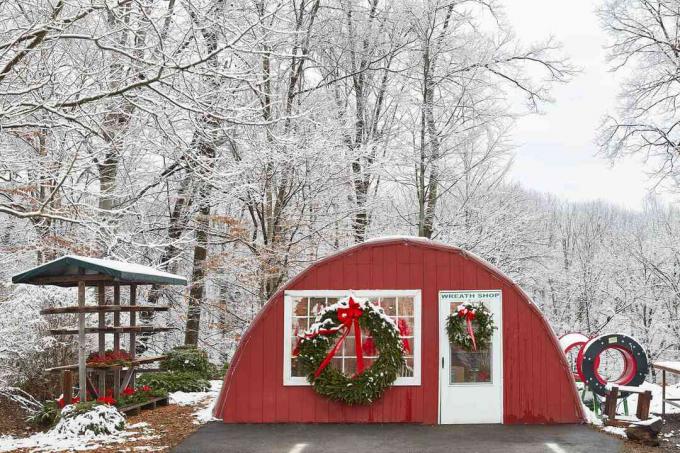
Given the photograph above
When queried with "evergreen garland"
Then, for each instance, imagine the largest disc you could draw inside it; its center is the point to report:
(368, 386)
(482, 325)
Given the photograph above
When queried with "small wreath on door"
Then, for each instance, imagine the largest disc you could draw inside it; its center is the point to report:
(471, 326)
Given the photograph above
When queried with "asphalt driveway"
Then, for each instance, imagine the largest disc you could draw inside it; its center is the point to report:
(394, 438)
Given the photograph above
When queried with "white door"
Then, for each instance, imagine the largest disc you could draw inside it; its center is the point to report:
(470, 383)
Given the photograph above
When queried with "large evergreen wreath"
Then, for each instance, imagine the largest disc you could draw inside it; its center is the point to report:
(471, 326)
(314, 346)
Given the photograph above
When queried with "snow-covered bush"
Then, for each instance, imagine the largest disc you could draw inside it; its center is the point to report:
(26, 348)
(89, 419)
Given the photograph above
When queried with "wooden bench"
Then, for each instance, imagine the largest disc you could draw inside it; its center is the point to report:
(611, 400)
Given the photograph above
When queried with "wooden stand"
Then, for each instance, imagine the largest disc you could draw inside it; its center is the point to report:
(122, 376)
(81, 272)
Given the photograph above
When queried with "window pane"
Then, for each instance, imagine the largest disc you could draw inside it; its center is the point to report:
(348, 348)
(295, 368)
(316, 304)
(299, 325)
(405, 306)
(300, 306)
(407, 369)
(389, 304)
(350, 366)
(470, 366)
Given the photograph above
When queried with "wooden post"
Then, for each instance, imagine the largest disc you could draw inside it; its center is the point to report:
(101, 374)
(116, 340)
(67, 386)
(663, 393)
(133, 335)
(82, 370)
(610, 403)
(644, 401)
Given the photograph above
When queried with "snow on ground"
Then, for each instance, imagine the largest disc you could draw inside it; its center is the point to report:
(672, 391)
(206, 401)
(53, 440)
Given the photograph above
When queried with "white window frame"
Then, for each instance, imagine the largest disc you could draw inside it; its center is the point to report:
(288, 379)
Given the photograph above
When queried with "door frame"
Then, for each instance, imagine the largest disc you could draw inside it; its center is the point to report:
(443, 337)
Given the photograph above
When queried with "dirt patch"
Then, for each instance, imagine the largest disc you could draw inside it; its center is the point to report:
(168, 426)
(669, 439)
(13, 419)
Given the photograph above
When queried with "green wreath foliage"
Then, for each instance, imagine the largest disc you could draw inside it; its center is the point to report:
(368, 386)
(482, 325)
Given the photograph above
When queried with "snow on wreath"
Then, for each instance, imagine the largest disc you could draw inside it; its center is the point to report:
(317, 346)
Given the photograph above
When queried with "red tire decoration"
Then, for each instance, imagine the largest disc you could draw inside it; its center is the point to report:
(570, 341)
(635, 368)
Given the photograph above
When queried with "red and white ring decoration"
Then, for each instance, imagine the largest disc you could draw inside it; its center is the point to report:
(634, 360)
(573, 341)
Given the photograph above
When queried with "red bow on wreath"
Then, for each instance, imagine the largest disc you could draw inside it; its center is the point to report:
(469, 315)
(348, 317)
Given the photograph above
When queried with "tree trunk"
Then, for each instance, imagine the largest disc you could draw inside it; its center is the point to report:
(197, 292)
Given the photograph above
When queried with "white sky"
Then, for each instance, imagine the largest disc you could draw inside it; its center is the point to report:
(556, 151)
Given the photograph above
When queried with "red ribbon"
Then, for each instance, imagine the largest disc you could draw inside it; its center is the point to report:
(469, 315)
(348, 317)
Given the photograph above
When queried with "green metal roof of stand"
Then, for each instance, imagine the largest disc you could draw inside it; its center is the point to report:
(71, 269)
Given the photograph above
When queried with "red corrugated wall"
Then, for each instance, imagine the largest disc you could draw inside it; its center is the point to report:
(538, 386)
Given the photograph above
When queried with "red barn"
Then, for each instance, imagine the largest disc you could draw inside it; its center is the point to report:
(523, 377)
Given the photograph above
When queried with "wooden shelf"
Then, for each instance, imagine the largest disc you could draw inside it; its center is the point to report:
(129, 329)
(103, 309)
(149, 404)
(134, 363)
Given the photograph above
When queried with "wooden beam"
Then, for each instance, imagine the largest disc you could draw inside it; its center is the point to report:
(67, 386)
(82, 370)
(643, 403)
(71, 279)
(673, 367)
(116, 341)
(133, 334)
(93, 389)
(116, 317)
(105, 308)
(101, 301)
(122, 329)
(610, 403)
(142, 361)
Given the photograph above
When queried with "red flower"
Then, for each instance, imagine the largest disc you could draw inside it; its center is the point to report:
(61, 402)
(106, 400)
(146, 388)
(128, 391)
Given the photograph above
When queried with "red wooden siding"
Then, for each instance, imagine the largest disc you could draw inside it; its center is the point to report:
(538, 385)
